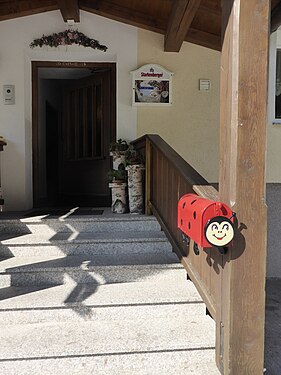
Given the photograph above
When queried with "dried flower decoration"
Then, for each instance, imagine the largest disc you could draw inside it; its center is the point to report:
(66, 38)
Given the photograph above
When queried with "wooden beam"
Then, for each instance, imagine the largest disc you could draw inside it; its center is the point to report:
(69, 10)
(179, 22)
(244, 77)
(275, 18)
(122, 14)
(14, 9)
(204, 39)
(210, 10)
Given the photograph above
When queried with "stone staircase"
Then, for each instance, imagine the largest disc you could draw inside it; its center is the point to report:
(97, 295)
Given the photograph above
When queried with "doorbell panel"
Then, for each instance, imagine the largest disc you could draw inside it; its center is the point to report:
(9, 94)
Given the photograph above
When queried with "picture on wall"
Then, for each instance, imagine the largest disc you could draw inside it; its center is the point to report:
(152, 85)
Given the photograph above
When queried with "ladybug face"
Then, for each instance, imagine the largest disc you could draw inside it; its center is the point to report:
(219, 231)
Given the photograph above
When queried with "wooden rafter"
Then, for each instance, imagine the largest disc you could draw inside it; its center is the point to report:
(69, 10)
(208, 10)
(182, 15)
(204, 39)
(129, 14)
(136, 18)
(14, 9)
(203, 31)
(123, 14)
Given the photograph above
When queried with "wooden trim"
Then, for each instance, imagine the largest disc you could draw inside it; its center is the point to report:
(35, 65)
(182, 15)
(69, 10)
(35, 141)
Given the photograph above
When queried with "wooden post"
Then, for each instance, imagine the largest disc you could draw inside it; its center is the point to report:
(244, 70)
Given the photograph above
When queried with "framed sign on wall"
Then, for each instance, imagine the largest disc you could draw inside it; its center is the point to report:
(152, 85)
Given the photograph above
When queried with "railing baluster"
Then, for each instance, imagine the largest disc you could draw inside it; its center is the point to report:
(148, 178)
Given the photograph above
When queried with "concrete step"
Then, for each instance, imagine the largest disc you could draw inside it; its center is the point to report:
(85, 243)
(109, 338)
(176, 289)
(84, 312)
(194, 361)
(41, 225)
(80, 296)
(85, 269)
(21, 305)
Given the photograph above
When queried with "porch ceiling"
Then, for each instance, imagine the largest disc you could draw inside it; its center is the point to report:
(195, 21)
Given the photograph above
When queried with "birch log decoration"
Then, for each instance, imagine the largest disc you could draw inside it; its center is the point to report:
(119, 197)
(135, 187)
(118, 157)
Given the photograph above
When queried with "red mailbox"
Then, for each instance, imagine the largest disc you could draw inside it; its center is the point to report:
(206, 222)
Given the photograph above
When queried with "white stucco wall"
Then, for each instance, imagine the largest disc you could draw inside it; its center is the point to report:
(15, 68)
(191, 124)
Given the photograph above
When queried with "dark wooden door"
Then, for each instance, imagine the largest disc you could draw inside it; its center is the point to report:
(52, 154)
(85, 141)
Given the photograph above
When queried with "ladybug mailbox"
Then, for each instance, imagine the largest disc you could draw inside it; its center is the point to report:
(206, 222)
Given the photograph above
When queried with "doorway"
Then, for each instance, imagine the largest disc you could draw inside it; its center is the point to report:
(73, 123)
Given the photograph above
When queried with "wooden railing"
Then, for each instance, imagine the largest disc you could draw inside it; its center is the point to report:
(168, 177)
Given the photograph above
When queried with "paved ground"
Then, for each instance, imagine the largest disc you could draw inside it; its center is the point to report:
(273, 327)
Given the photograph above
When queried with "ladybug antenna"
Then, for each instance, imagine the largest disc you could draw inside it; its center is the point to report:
(233, 215)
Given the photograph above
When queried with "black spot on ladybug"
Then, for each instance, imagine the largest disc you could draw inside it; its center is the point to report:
(194, 214)
(224, 210)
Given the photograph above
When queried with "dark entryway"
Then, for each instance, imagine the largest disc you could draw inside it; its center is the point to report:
(74, 120)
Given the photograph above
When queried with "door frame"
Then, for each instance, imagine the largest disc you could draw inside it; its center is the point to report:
(35, 65)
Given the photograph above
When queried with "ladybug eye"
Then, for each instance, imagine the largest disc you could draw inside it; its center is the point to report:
(225, 227)
(214, 227)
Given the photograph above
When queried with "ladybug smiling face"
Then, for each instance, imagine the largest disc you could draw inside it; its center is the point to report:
(219, 231)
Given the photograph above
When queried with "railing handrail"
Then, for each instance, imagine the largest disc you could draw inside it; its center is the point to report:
(200, 185)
